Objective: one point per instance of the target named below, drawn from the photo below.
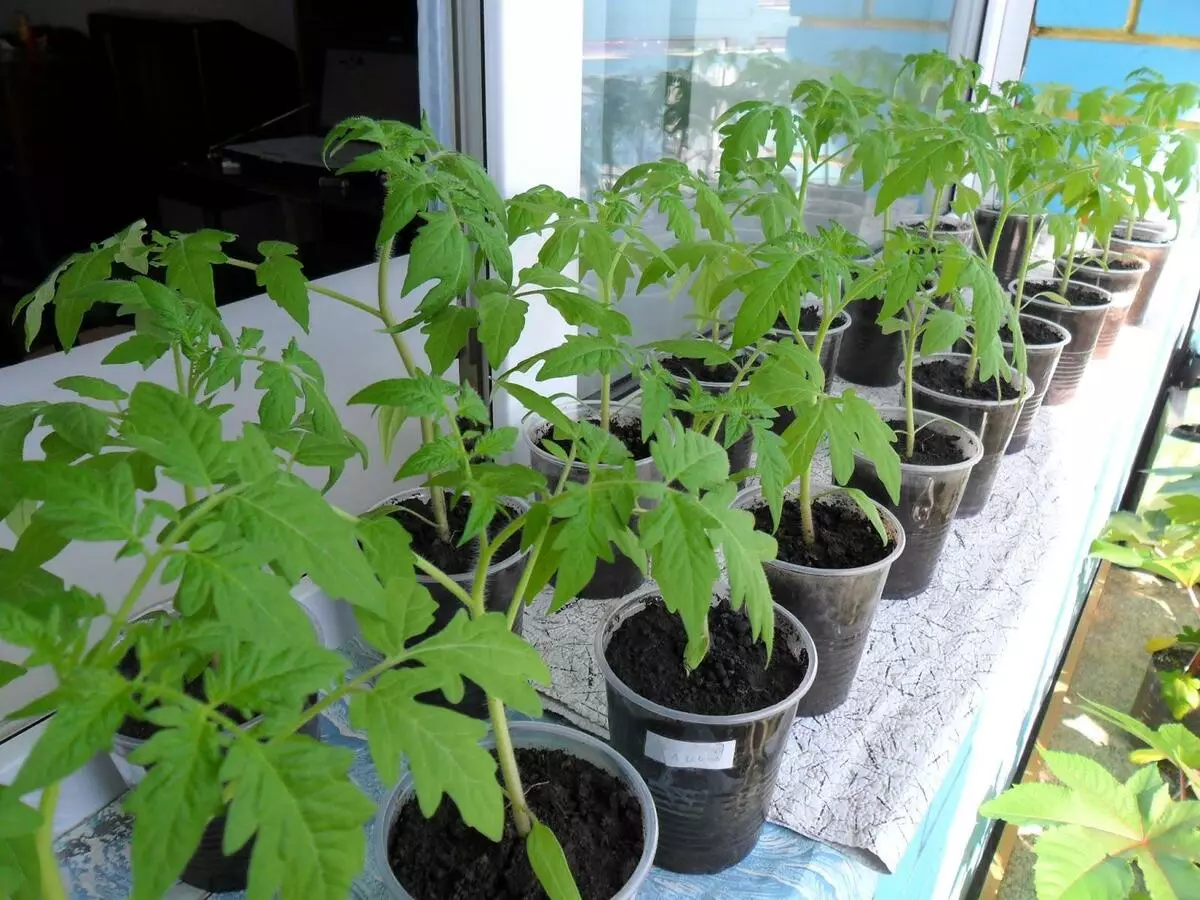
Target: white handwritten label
(688, 754)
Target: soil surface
(943, 227)
(646, 653)
(628, 433)
(1036, 334)
(947, 376)
(722, 373)
(845, 539)
(810, 321)
(931, 448)
(448, 555)
(1176, 657)
(1115, 262)
(593, 815)
(1077, 294)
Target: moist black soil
(810, 321)
(1176, 657)
(628, 433)
(448, 555)
(948, 376)
(1115, 263)
(942, 227)
(1036, 334)
(845, 539)
(1077, 294)
(129, 667)
(593, 815)
(930, 448)
(722, 373)
(646, 653)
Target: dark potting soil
(448, 555)
(948, 376)
(1115, 262)
(1036, 334)
(930, 448)
(1176, 657)
(646, 653)
(722, 373)
(628, 433)
(1077, 294)
(845, 539)
(810, 320)
(593, 815)
(943, 227)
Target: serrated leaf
(173, 802)
(446, 335)
(257, 676)
(438, 455)
(183, 437)
(84, 507)
(421, 395)
(306, 816)
(409, 612)
(870, 509)
(495, 443)
(441, 747)
(582, 354)
(189, 259)
(143, 349)
(745, 551)
(536, 403)
(92, 704)
(82, 426)
(281, 274)
(90, 387)
(549, 864)
(690, 458)
(253, 603)
(485, 651)
(501, 321)
(440, 252)
(304, 534)
(771, 464)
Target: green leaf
(484, 650)
(92, 704)
(693, 459)
(9, 672)
(143, 349)
(84, 507)
(1077, 863)
(189, 259)
(440, 252)
(254, 603)
(440, 454)
(441, 747)
(446, 334)
(581, 310)
(295, 797)
(77, 290)
(536, 403)
(494, 244)
(304, 534)
(405, 198)
(183, 437)
(82, 426)
(421, 395)
(92, 388)
(15, 424)
(495, 443)
(281, 274)
(941, 330)
(870, 509)
(549, 864)
(262, 675)
(173, 803)
(674, 535)
(409, 612)
(771, 464)
(874, 439)
(745, 551)
(501, 321)
(582, 354)
(656, 404)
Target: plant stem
(807, 528)
(52, 886)
(910, 425)
(1023, 271)
(508, 767)
(437, 500)
(802, 191)
(343, 298)
(1068, 264)
(1002, 215)
(189, 492)
(605, 399)
(935, 213)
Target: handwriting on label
(689, 754)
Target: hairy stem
(1002, 215)
(437, 500)
(508, 767)
(807, 528)
(910, 425)
(52, 886)
(181, 382)
(936, 212)
(1068, 265)
(1023, 271)
(314, 288)
(605, 399)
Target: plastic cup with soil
(809, 325)
(1082, 315)
(414, 512)
(1152, 245)
(949, 227)
(1044, 345)
(1120, 275)
(833, 587)
(932, 482)
(593, 800)
(1149, 708)
(989, 409)
(622, 575)
(209, 868)
(716, 379)
(868, 355)
(708, 742)
(1014, 238)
